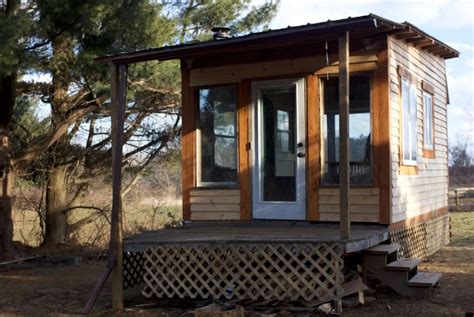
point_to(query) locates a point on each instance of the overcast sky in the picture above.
(450, 21)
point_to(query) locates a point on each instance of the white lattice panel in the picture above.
(245, 271)
(423, 239)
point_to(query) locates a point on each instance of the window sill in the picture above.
(408, 170)
(428, 153)
(352, 186)
(216, 186)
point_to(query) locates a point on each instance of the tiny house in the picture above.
(299, 146)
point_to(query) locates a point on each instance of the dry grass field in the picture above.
(49, 289)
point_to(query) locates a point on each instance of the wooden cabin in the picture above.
(299, 146)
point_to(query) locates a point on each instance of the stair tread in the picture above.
(425, 279)
(403, 264)
(384, 248)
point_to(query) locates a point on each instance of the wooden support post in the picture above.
(344, 168)
(119, 88)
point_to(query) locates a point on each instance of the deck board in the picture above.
(362, 236)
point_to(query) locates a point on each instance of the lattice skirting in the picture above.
(242, 271)
(423, 239)
(133, 269)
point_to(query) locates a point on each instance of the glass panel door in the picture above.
(279, 156)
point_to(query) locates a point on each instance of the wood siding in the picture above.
(364, 207)
(306, 65)
(425, 190)
(215, 204)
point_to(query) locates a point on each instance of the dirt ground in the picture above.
(52, 289)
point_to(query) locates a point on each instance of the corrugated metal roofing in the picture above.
(367, 25)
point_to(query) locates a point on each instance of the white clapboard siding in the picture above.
(364, 204)
(215, 204)
(413, 195)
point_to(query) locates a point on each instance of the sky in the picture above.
(450, 21)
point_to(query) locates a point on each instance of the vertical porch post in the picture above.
(119, 87)
(344, 165)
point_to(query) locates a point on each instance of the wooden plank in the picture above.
(118, 95)
(344, 168)
(235, 72)
(353, 191)
(381, 132)
(215, 199)
(212, 215)
(243, 114)
(215, 192)
(213, 207)
(362, 67)
(355, 200)
(354, 217)
(313, 150)
(187, 140)
(330, 208)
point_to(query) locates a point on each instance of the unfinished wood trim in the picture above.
(355, 209)
(187, 140)
(213, 215)
(358, 217)
(408, 170)
(353, 191)
(427, 87)
(361, 67)
(215, 207)
(214, 192)
(403, 72)
(215, 200)
(429, 153)
(344, 168)
(243, 114)
(418, 219)
(381, 136)
(355, 200)
(313, 163)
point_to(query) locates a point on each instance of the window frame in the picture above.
(412, 161)
(197, 147)
(323, 159)
(428, 149)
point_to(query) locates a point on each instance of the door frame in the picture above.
(278, 210)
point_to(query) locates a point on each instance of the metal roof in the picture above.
(363, 26)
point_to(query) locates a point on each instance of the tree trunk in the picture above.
(6, 177)
(56, 216)
(57, 186)
(7, 105)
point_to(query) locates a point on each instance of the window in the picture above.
(359, 131)
(427, 121)
(217, 155)
(409, 144)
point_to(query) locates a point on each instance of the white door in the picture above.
(278, 175)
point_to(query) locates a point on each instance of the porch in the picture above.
(259, 260)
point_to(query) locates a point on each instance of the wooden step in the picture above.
(425, 279)
(383, 249)
(403, 265)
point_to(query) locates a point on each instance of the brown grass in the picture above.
(58, 290)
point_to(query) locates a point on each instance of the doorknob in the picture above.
(300, 154)
(300, 144)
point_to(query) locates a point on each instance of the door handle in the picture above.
(300, 144)
(300, 154)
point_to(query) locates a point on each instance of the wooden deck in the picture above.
(223, 232)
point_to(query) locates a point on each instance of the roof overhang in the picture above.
(360, 27)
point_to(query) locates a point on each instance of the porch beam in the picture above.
(344, 168)
(119, 88)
